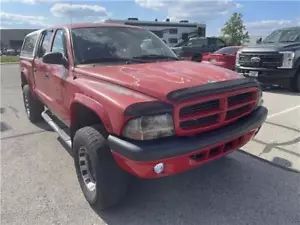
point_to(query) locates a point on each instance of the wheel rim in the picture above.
(86, 170)
(26, 103)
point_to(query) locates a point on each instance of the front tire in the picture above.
(33, 106)
(103, 183)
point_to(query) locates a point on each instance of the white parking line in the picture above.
(282, 112)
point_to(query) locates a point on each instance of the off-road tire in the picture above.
(33, 107)
(111, 182)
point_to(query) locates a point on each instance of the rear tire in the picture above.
(33, 106)
(103, 183)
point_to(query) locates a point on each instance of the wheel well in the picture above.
(23, 80)
(83, 116)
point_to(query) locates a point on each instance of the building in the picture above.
(13, 38)
(171, 32)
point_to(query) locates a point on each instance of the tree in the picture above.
(234, 31)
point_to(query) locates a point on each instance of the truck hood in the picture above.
(272, 47)
(159, 78)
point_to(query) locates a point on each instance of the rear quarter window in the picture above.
(29, 45)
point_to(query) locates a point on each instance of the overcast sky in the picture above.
(260, 17)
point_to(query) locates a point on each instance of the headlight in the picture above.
(260, 100)
(213, 61)
(287, 60)
(149, 127)
(237, 57)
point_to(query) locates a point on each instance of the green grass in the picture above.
(9, 59)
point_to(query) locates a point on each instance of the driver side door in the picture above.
(58, 77)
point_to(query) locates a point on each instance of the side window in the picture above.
(198, 42)
(212, 41)
(173, 40)
(59, 42)
(28, 45)
(45, 45)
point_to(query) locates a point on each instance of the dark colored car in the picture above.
(194, 47)
(11, 52)
(274, 61)
(224, 57)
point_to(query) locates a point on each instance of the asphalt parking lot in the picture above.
(39, 184)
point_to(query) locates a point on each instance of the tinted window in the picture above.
(173, 40)
(212, 41)
(45, 46)
(220, 43)
(173, 31)
(215, 42)
(28, 45)
(159, 33)
(197, 42)
(59, 42)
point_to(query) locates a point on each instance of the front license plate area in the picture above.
(253, 73)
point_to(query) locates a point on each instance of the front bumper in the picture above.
(270, 76)
(182, 153)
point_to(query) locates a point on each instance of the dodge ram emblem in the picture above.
(255, 59)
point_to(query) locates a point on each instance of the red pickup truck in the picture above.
(130, 107)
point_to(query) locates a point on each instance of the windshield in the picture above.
(283, 36)
(118, 44)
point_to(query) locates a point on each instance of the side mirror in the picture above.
(55, 58)
(259, 40)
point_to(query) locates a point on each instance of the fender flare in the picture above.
(94, 106)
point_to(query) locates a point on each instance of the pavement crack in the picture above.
(23, 134)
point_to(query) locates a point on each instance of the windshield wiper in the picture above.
(110, 59)
(154, 56)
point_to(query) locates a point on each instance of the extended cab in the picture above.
(131, 107)
(275, 60)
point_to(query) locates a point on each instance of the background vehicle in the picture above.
(194, 47)
(275, 61)
(129, 104)
(169, 31)
(224, 57)
(11, 52)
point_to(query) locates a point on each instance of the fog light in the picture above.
(159, 168)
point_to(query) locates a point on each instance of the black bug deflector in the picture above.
(209, 88)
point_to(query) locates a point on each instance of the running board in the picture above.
(62, 134)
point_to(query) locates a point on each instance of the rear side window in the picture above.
(28, 45)
(46, 42)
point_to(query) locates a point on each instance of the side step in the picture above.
(62, 134)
